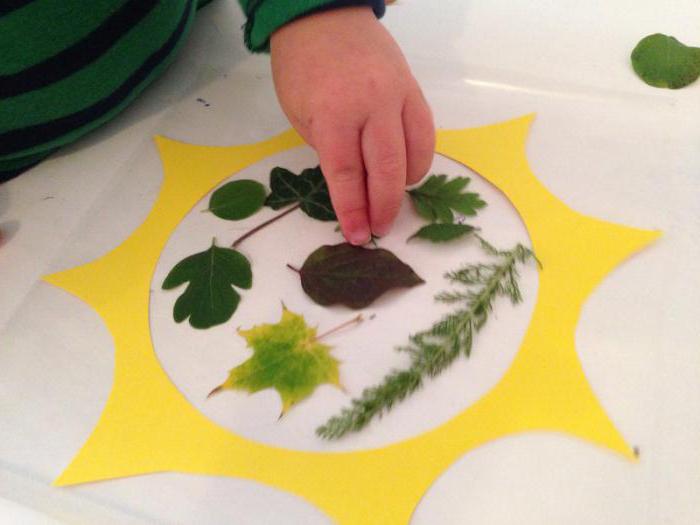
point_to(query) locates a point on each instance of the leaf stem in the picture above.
(263, 225)
(355, 320)
(215, 391)
(294, 269)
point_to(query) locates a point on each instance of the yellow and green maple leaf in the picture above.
(288, 357)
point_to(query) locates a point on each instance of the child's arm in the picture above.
(345, 86)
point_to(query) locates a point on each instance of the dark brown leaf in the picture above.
(352, 275)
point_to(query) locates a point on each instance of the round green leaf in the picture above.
(664, 62)
(237, 200)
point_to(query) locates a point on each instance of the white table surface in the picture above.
(603, 141)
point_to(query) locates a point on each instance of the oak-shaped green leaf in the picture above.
(664, 62)
(438, 232)
(209, 298)
(352, 275)
(437, 198)
(308, 189)
(287, 357)
(237, 200)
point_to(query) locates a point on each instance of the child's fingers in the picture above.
(419, 129)
(384, 153)
(340, 155)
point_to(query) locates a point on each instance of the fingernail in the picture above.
(360, 237)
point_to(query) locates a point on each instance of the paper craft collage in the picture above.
(188, 337)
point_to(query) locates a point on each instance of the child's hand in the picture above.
(347, 89)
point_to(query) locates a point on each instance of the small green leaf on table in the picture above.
(209, 298)
(288, 357)
(308, 189)
(352, 275)
(437, 198)
(237, 200)
(438, 232)
(664, 62)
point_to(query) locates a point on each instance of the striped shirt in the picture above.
(68, 66)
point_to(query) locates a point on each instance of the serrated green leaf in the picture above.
(437, 198)
(433, 184)
(209, 298)
(441, 211)
(288, 357)
(465, 203)
(664, 62)
(309, 189)
(237, 200)
(455, 185)
(442, 232)
(422, 205)
(352, 275)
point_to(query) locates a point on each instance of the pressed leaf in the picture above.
(664, 62)
(309, 189)
(433, 350)
(438, 198)
(209, 298)
(352, 275)
(237, 200)
(438, 232)
(288, 357)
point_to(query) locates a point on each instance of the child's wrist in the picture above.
(315, 21)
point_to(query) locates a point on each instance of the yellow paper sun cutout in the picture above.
(148, 426)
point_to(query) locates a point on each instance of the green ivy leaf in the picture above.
(209, 298)
(664, 62)
(288, 357)
(437, 198)
(352, 275)
(237, 200)
(442, 232)
(309, 189)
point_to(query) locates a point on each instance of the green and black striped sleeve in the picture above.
(68, 66)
